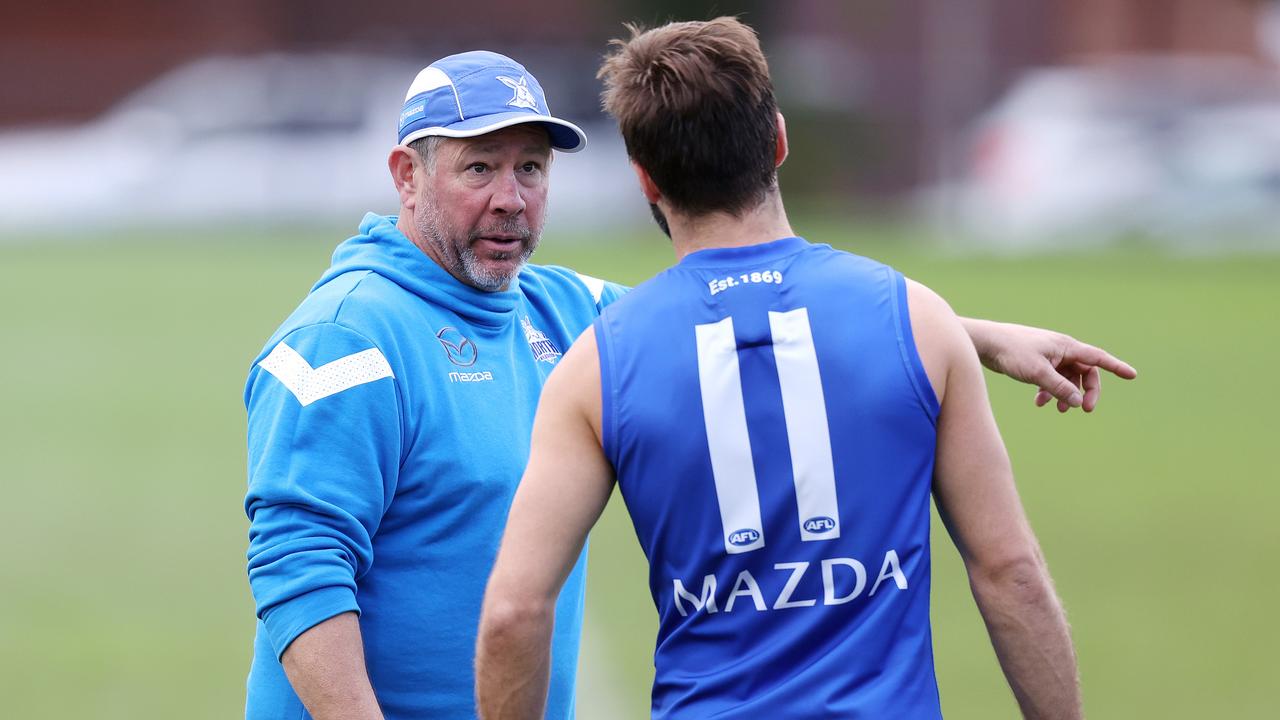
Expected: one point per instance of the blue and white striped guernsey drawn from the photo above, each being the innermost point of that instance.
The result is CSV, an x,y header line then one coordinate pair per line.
x,y
773,433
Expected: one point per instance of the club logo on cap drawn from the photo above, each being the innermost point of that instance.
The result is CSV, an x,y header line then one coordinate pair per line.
x,y
524,96
465,96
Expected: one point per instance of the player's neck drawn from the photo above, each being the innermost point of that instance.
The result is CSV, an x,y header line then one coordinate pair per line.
x,y
764,223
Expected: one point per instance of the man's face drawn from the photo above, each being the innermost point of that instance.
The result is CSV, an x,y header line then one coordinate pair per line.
x,y
483,202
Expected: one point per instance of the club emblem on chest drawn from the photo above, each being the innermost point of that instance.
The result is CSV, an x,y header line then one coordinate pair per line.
x,y
543,349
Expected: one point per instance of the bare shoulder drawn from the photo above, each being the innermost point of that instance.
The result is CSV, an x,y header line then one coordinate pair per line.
x,y
940,338
582,361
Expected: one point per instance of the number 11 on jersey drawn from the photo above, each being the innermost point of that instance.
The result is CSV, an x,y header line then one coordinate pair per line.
x,y
807,433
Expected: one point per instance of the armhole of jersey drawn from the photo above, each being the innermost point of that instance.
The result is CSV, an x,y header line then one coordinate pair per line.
x,y
608,425
907,345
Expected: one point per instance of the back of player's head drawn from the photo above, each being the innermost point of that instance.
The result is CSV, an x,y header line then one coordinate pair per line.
x,y
696,109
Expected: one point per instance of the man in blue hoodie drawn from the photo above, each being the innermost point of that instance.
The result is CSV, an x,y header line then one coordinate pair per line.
x,y
390,415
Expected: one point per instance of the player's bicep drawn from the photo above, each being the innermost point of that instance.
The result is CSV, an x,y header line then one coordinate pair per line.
x,y
973,480
931,321
566,484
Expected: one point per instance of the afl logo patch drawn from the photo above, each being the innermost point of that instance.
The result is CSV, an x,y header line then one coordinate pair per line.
x,y
819,524
461,351
746,536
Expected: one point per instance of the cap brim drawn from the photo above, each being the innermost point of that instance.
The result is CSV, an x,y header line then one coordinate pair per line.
x,y
565,136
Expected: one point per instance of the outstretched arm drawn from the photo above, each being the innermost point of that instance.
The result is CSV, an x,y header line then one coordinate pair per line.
x,y
1061,366
978,502
563,491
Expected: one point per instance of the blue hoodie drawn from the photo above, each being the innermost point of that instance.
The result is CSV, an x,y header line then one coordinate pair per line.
x,y
389,423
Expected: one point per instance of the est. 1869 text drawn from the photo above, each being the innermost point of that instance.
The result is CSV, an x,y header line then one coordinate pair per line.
x,y
763,276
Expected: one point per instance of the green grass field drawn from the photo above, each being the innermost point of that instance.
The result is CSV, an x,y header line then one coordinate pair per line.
x,y
122,589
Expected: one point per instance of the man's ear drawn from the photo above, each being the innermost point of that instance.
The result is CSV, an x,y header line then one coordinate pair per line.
x,y
402,163
780,155
647,186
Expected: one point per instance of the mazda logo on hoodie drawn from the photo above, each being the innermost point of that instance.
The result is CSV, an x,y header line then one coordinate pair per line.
x,y
461,351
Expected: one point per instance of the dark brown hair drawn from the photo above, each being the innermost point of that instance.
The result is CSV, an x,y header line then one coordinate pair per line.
x,y
696,109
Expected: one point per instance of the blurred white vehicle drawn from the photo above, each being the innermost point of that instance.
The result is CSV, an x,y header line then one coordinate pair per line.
x,y
274,138
1186,150
1224,187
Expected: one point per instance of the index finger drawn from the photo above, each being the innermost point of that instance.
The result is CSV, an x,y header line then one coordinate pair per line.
x,y
1090,355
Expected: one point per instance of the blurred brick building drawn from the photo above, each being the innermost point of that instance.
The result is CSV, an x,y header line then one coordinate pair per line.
x,y
67,60
889,82
893,82
1100,27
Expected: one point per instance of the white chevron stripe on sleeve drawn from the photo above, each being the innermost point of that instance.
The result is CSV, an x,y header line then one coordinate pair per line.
x,y
595,285
311,384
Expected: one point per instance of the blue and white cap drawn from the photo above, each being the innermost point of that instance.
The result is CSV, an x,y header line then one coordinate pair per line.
x,y
477,92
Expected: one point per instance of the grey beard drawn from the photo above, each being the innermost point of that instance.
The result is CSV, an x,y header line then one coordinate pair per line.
x,y
485,279
462,262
